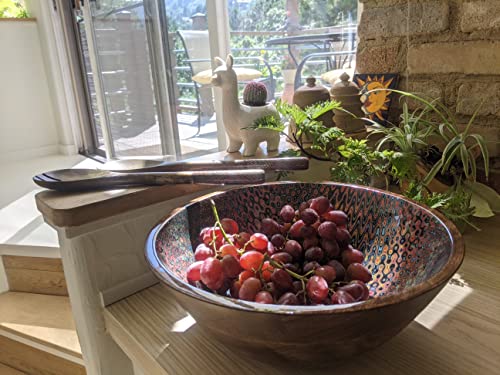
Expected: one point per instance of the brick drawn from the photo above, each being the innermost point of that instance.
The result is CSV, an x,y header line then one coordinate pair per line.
x,y
426,89
390,21
471,95
480,15
430,89
379,59
477,57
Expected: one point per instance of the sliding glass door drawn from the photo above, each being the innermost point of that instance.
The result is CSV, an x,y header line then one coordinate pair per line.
x,y
121,49
148,64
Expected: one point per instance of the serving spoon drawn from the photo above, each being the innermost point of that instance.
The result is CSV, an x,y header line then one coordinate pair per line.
x,y
79,180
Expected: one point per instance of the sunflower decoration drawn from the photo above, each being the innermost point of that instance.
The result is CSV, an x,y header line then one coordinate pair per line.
x,y
376,101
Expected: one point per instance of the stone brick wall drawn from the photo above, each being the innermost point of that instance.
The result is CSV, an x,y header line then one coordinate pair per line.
x,y
448,49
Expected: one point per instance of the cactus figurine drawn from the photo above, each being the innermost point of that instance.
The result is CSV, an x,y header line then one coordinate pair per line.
x,y
255,94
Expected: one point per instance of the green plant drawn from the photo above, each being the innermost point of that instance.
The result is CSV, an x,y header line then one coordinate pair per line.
x,y
12,9
358,162
465,197
454,203
409,138
460,146
355,161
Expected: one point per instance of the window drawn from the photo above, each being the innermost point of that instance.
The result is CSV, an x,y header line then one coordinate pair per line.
x,y
148,64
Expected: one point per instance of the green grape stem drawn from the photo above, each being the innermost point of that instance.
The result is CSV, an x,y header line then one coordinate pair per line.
x,y
218,223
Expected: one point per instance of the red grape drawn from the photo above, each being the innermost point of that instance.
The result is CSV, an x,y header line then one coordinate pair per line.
x,y
287,213
211,234
250,288
339,269
309,266
343,237
293,248
245,275
270,249
267,271
303,206
326,272
282,257
358,290
317,289
310,242
230,226
193,271
320,205
331,248
278,240
269,227
235,289
340,297
259,241
309,216
229,250
251,260
351,255
288,299
264,297
327,230
211,273
338,217
230,266
356,271
203,252
295,229
242,238
282,280
307,231
314,253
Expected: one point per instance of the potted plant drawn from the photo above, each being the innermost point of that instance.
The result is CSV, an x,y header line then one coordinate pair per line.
x,y
443,177
349,160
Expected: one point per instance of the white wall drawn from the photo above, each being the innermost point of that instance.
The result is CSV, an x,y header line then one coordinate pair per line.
x,y
57,69
27,121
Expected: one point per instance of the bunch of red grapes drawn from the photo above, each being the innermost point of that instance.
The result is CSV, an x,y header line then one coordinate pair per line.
x,y
303,258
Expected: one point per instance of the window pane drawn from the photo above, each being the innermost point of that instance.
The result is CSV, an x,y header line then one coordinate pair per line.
x,y
189,36
295,38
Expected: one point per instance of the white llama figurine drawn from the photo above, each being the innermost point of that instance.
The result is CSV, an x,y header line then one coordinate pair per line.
x,y
238,116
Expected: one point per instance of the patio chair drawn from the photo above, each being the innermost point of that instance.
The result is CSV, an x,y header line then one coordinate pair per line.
x,y
336,62
197,49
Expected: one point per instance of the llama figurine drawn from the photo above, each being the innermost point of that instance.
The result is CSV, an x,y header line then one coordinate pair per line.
x,y
238,116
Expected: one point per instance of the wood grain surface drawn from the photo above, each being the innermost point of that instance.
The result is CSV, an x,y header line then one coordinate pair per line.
x,y
458,333
6,370
46,320
33,361
35,275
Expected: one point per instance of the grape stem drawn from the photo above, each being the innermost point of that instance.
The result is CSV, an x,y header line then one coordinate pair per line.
x,y
219,224
291,273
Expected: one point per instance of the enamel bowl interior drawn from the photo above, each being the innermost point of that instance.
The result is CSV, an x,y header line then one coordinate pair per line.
x,y
408,249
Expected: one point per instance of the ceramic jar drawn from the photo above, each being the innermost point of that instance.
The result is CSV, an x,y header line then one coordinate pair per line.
x,y
347,93
310,94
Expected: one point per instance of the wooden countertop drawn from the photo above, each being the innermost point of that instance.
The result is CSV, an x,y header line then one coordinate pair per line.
x,y
458,333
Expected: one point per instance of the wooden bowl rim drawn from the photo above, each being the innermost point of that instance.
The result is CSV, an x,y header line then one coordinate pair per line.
x,y
452,265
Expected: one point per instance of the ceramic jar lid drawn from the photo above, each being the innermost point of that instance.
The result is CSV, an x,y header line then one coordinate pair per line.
x,y
310,93
344,87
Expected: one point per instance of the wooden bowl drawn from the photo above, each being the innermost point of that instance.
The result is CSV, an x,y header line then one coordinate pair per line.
x,y
411,250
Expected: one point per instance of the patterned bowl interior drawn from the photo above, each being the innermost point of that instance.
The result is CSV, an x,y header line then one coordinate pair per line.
x,y
404,244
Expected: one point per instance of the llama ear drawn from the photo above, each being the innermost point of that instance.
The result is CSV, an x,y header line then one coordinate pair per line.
x,y
229,61
219,61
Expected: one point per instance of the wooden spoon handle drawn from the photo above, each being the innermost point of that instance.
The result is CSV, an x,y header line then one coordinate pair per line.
x,y
235,177
269,164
